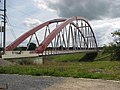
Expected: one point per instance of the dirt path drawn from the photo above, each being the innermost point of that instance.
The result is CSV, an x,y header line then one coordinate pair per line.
x,y
85,84
20,82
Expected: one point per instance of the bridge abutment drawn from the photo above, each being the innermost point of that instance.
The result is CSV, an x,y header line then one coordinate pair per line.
x,y
25,57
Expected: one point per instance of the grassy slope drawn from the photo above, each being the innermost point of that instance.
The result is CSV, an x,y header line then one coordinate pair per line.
x,y
76,57
65,57
68,66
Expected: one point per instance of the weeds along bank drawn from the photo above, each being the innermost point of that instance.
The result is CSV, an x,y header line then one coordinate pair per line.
x,y
69,66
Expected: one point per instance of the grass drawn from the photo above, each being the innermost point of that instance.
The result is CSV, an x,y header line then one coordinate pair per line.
x,y
65,58
77,57
70,66
96,70
103,57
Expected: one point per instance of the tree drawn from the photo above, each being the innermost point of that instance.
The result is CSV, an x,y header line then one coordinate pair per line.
x,y
116,52
114,48
116,36
32,46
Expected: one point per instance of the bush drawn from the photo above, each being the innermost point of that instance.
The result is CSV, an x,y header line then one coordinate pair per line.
x,y
114,48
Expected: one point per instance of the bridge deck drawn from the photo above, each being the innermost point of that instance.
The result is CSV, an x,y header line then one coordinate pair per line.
x,y
23,54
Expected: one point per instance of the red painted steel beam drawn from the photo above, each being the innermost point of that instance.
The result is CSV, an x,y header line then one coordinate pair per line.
x,y
52,35
14,44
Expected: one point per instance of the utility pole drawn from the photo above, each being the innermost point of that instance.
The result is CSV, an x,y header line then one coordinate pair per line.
x,y
4,32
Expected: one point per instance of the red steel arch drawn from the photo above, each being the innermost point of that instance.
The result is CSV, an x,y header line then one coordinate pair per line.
x,y
52,35
42,47
14,44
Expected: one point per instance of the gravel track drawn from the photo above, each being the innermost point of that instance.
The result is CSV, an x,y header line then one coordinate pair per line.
x,y
21,82
24,82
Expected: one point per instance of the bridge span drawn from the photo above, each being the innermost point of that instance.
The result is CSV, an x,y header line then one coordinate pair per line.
x,y
59,36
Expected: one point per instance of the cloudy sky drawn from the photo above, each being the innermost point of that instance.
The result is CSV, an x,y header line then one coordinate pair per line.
x,y
103,15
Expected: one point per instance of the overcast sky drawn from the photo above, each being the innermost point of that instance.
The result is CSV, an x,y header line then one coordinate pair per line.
x,y
103,15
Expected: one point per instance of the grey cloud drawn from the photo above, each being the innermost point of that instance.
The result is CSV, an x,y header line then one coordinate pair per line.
x,y
90,9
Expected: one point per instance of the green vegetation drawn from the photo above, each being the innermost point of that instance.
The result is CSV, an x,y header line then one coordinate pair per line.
x,y
113,50
65,58
31,46
77,57
64,65
97,69
114,47
102,57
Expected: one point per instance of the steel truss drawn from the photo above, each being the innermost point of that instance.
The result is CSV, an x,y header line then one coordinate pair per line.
x,y
73,34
